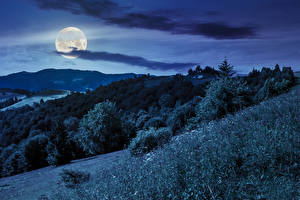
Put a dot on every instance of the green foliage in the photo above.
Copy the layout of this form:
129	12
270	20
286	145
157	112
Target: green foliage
166	100
142	118
59	147
226	70
155	122
101	129
252	155
9	102
71	124
257	79
178	118
5	154
35	151
272	88
147	140
14	164
195	72
223	96
72	178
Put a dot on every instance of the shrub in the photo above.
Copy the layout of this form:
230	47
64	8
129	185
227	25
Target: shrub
223	96
257	79
72	178
272	88
59	148
166	100
14	164
5	153
155	122
35	151
128	125
178	118
147	140
143	117
101	129
288	74
71	123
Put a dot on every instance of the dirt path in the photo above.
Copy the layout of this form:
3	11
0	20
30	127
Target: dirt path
31	185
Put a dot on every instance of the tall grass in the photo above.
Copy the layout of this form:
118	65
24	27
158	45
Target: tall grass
254	154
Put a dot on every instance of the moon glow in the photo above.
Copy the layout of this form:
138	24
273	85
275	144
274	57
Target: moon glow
69	39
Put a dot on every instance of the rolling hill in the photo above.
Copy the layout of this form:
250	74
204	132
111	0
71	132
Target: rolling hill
60	79
105	167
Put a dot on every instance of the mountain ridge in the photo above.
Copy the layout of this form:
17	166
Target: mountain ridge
62	79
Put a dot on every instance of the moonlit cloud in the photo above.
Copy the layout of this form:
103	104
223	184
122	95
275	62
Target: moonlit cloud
112	13
130	60
157	37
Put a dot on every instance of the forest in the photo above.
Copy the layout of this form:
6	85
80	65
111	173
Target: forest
141	114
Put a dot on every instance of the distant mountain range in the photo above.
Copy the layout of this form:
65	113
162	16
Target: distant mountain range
60	79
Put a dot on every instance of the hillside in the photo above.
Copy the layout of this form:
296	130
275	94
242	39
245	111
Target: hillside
109	171
60	79
133	107
46	181
36	99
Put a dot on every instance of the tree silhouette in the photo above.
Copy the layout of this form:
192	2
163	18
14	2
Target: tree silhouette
226	70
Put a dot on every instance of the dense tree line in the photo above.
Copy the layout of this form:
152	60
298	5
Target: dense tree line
9	102
17	91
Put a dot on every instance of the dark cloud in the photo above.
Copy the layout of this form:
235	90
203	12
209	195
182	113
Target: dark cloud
217	30
112	13
222	31
95	8
140	20
130	60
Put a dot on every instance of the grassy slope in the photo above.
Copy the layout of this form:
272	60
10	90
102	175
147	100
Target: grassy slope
46	181
35	99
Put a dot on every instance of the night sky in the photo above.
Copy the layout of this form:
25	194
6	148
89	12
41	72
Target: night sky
151	36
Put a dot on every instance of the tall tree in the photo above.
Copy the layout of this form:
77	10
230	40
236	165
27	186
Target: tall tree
226	70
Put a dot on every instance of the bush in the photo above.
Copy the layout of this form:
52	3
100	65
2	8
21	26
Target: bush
166	100
128	125
272	88
59	148
257	79
288	74
71	123
14	164
101	129
178	118
72	178
5	153
155	122
142	118
35	151
223	96
147	140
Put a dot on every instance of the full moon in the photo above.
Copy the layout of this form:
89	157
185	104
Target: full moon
69	39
